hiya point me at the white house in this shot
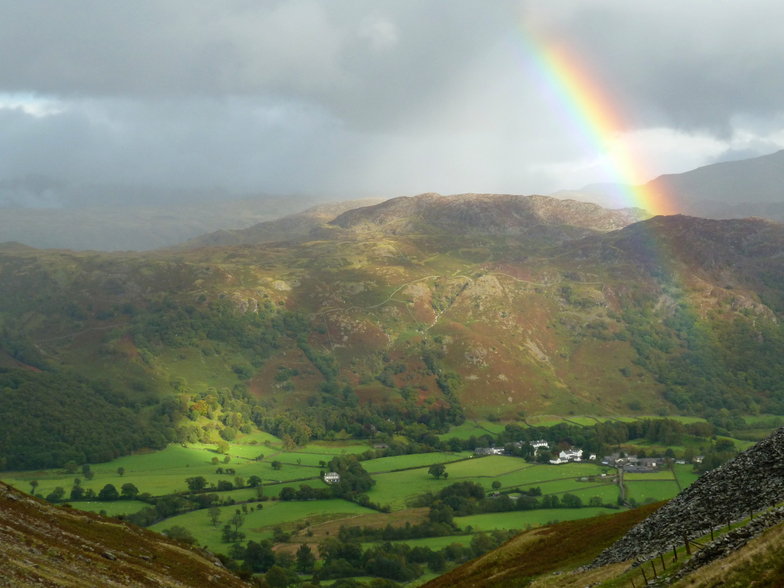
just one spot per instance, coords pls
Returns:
(540, 443)
(567, 456)
(332, 477)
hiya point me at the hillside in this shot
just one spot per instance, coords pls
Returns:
(543, 217)
(46, 545)
(672, 315)
(726, 190)
(298, 226)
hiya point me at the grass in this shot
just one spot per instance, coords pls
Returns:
(520, 518)
(259, 523)
(642, 491)
(387, 464)
(161, 472)
(685, 475)
(607, 492)
(113, 508)
(660, 475)
(434, 543)
(541, 551)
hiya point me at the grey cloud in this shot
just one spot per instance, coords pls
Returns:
(376, 98)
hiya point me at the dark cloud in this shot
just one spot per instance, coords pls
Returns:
(372, 97)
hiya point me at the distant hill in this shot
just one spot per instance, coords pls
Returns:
(731, 189)
(755, 180)
(492, 214)
(298, 226)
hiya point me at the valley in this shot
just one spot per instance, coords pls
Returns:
(204, 391)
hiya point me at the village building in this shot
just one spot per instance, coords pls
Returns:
(489, 451)
(568, 455)
(332, 477)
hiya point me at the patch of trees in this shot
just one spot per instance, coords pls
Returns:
(44, 416)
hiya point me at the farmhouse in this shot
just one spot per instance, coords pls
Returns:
(489, 451)
(568, 455)
(540, 443)
(331, 477)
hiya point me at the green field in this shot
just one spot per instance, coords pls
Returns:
(335, 448)
(519, 519)
(642, 491)
(163, 472)
(434, 543)
(258, 523)
(464, 431)
(607, 492)
(660, 475)
(685, 475)
(387, 464)
(112, 509)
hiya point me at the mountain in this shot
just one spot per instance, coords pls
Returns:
(730, 189)
(46, 545)
(755, 180)
(492, 214)
(429, 309)
(298, 226)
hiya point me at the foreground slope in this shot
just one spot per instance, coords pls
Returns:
(44, 545)
(541, 551)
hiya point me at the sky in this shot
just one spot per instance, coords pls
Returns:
(381, 98)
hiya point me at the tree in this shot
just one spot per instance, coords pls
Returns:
(437, 470)
(259, 557)
(276, 465)
(121, 471)
(276, 577)
(56, 495)
(305, 559)
(77, 493)
(496, 484)
(181, 534)
(214, 513)
(33, 486)
(237, 521)
(196, 483)
(254, 481)
(129, 491)
(108, 492)
(239, 482)
(288, 443)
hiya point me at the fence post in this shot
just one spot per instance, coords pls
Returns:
(643, 575)
(686, 541)
(661, 557)
(653, 566)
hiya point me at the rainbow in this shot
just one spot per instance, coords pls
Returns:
(599, 122)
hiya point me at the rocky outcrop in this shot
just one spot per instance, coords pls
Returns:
(752, 482)
(488, 214)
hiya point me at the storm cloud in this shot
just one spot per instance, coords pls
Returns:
(374, 98)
